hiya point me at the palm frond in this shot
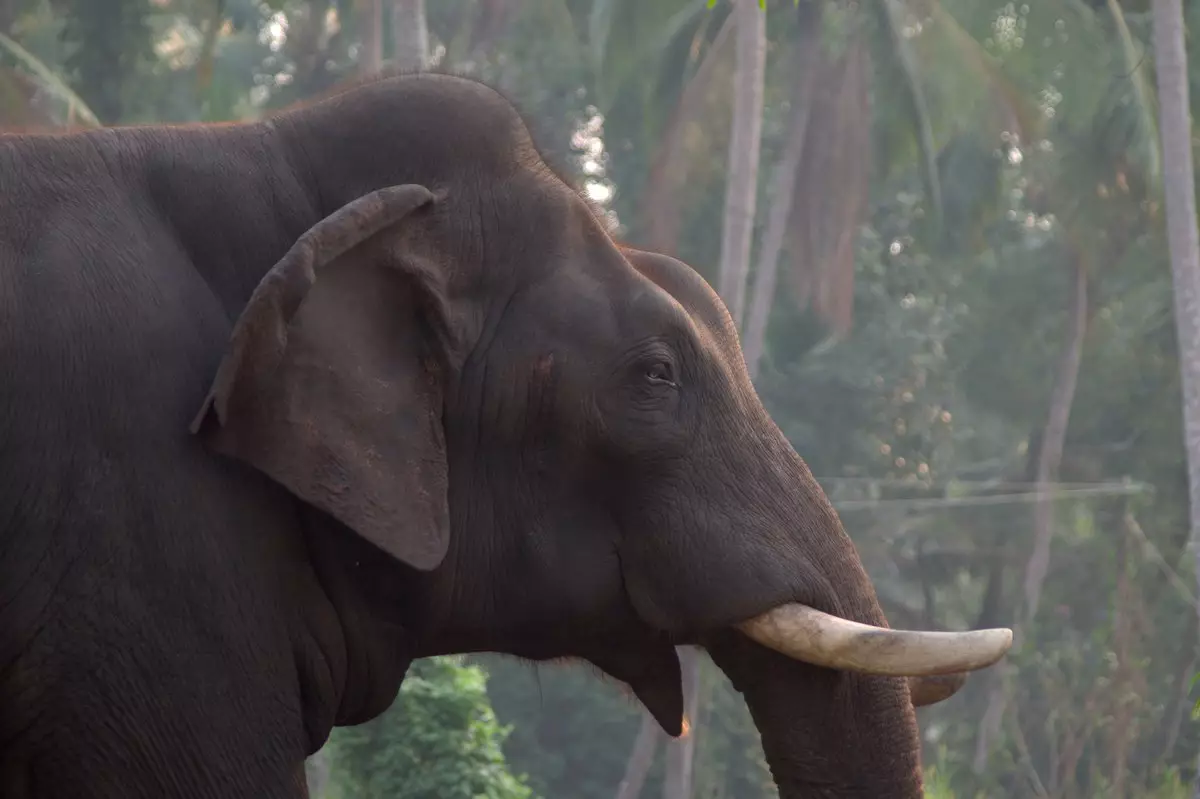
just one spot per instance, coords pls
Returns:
(669, 166)
(890, 17)
(1022, 113)
(51, 82)
(831, 188)
(1137, 67)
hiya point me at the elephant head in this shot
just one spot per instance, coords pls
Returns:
(555, 439)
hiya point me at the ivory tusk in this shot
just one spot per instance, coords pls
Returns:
(807, 634)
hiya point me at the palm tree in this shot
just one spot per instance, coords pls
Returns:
(410, 34)
(369, 15)
(745, 144)
(1175, 128)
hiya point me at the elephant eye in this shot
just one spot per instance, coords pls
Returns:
(661, 373)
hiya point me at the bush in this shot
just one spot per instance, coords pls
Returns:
(439, 738)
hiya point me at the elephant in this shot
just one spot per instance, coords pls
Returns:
(293, 402)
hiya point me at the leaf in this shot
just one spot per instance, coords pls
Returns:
(914, 100)
(971, 184)
(1137, 66)
(832, 187)
(669, 167)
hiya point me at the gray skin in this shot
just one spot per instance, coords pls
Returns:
(454, 416)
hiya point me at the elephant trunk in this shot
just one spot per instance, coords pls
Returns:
(825, 733)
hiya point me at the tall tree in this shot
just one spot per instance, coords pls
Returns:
(370, 22)
(1175, 130)
(745, 143)
(640, 759)
(410, 34)
(783, 188)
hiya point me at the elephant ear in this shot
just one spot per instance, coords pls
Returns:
(332, 382)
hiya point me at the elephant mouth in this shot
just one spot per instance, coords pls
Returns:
(821, 639)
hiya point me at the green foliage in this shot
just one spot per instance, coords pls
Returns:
(440, 738)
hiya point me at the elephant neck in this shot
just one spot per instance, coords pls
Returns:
(357, 648)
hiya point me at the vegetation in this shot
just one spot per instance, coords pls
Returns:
(967, 329)
(441, 718)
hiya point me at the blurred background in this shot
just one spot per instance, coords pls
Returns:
(940, 224)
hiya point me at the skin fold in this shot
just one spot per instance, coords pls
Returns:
(289, 404)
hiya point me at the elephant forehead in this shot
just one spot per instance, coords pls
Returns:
(695, 298)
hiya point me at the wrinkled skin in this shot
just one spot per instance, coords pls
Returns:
(493, 428)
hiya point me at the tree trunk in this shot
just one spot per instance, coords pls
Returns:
(316, 770)
(741, 190)
(370, 15)
(410, 34)
(1170, 60)
(494, 16)
(681, 752)
(1053, 439)
(640, 759)
(783, 190)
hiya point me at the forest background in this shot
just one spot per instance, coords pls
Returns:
(979, 364)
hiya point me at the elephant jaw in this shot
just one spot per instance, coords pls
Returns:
(804, 633)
